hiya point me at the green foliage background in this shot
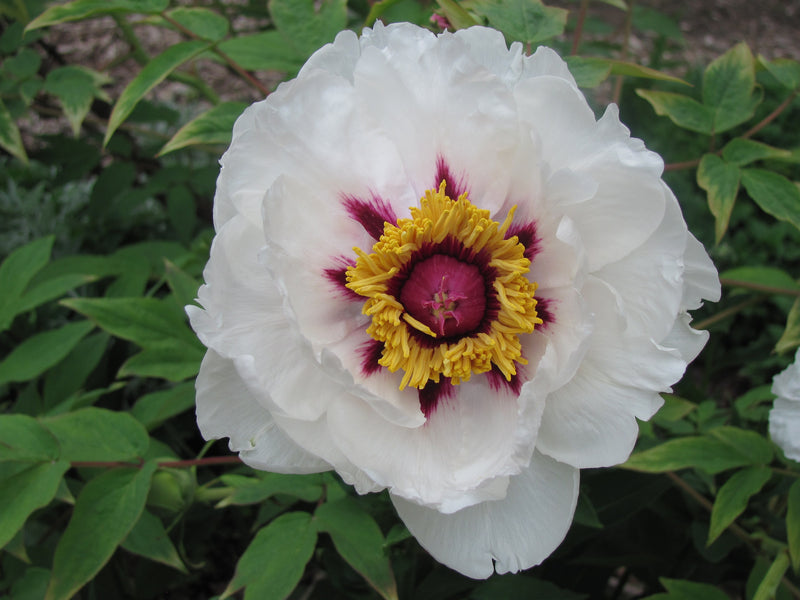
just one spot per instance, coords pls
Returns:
(107, 489)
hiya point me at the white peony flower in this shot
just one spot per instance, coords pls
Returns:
(436, 272)
(784, 418)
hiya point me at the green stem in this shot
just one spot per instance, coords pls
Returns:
(244, 74)
(728, 312)
(758, 287)
(576, 39)
(212, 494)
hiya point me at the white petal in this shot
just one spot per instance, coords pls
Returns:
(517, 532)
(700, 278)
(470, 438)
(784, 426)
(786, 384)
(226, 408)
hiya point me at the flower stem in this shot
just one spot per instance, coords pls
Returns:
(171, 464)
(728, 312)
(688, 164)
(758, 287)
(576, 39)
(771, 116)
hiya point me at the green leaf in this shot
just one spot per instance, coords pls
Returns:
(793, 524)
(721, 449)
(24, 492)
(763, 276)
(728, 88)
(32, 585)
(75, 87)
(266, 51)
(183, 286)
(70, 374)
(720, 180)
(153, 73)
(22, 438)
(275, 560)
(629, 69)
(680, 589)
(588, 72)
(359, 540)
(147, 322)
(674, 409)
(51, 289)
(456, 15)
(307, 25)
(151, 410)
(526, 21)
(790, 338)
(774, 193)
(682, 110)
(83, 9)
(41, 351)
(212, 127)
(521, 587)
(105, 512)
(733, 496)
(16, 272)
(203, 22)
(785, 70)
(742, 151)
(172, 360)
(10, 138)
(769, 585)
(253, 490)
(148, 538)
(97, 434)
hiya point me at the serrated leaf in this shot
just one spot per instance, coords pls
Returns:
(212, 127)
(22, 438)
(774, 193)
(682, 110)
(83, 9)
(728, 84)
(790, 338)
(274, 562)
(153, 73)
(147, 322)
(24, 492)
(105, 512)
(733, 496)
(148, 538)
(526, 21)
(785, 70)
(307, 25)
(359, 541)
(252, 490)
(151, 410)
(10, 138)
(16, 272)
(203, 22)
(680, 589)
(721, 449)
(41, 351)
(793, 524)
(742, 151)
(720, 180)
(97, 434)
(266, 51)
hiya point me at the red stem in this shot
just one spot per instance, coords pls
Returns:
(173, 464)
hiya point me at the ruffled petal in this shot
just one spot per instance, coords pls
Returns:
(516, 532)
(784, 426)
(226, 408)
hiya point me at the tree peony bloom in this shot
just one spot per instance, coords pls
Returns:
(784, 418)
(437, 273)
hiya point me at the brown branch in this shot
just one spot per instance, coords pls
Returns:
(576, 40)
(771, 116)
(624, 54)
(689, 164)
(759, 287)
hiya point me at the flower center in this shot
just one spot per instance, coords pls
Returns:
(446, 292)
